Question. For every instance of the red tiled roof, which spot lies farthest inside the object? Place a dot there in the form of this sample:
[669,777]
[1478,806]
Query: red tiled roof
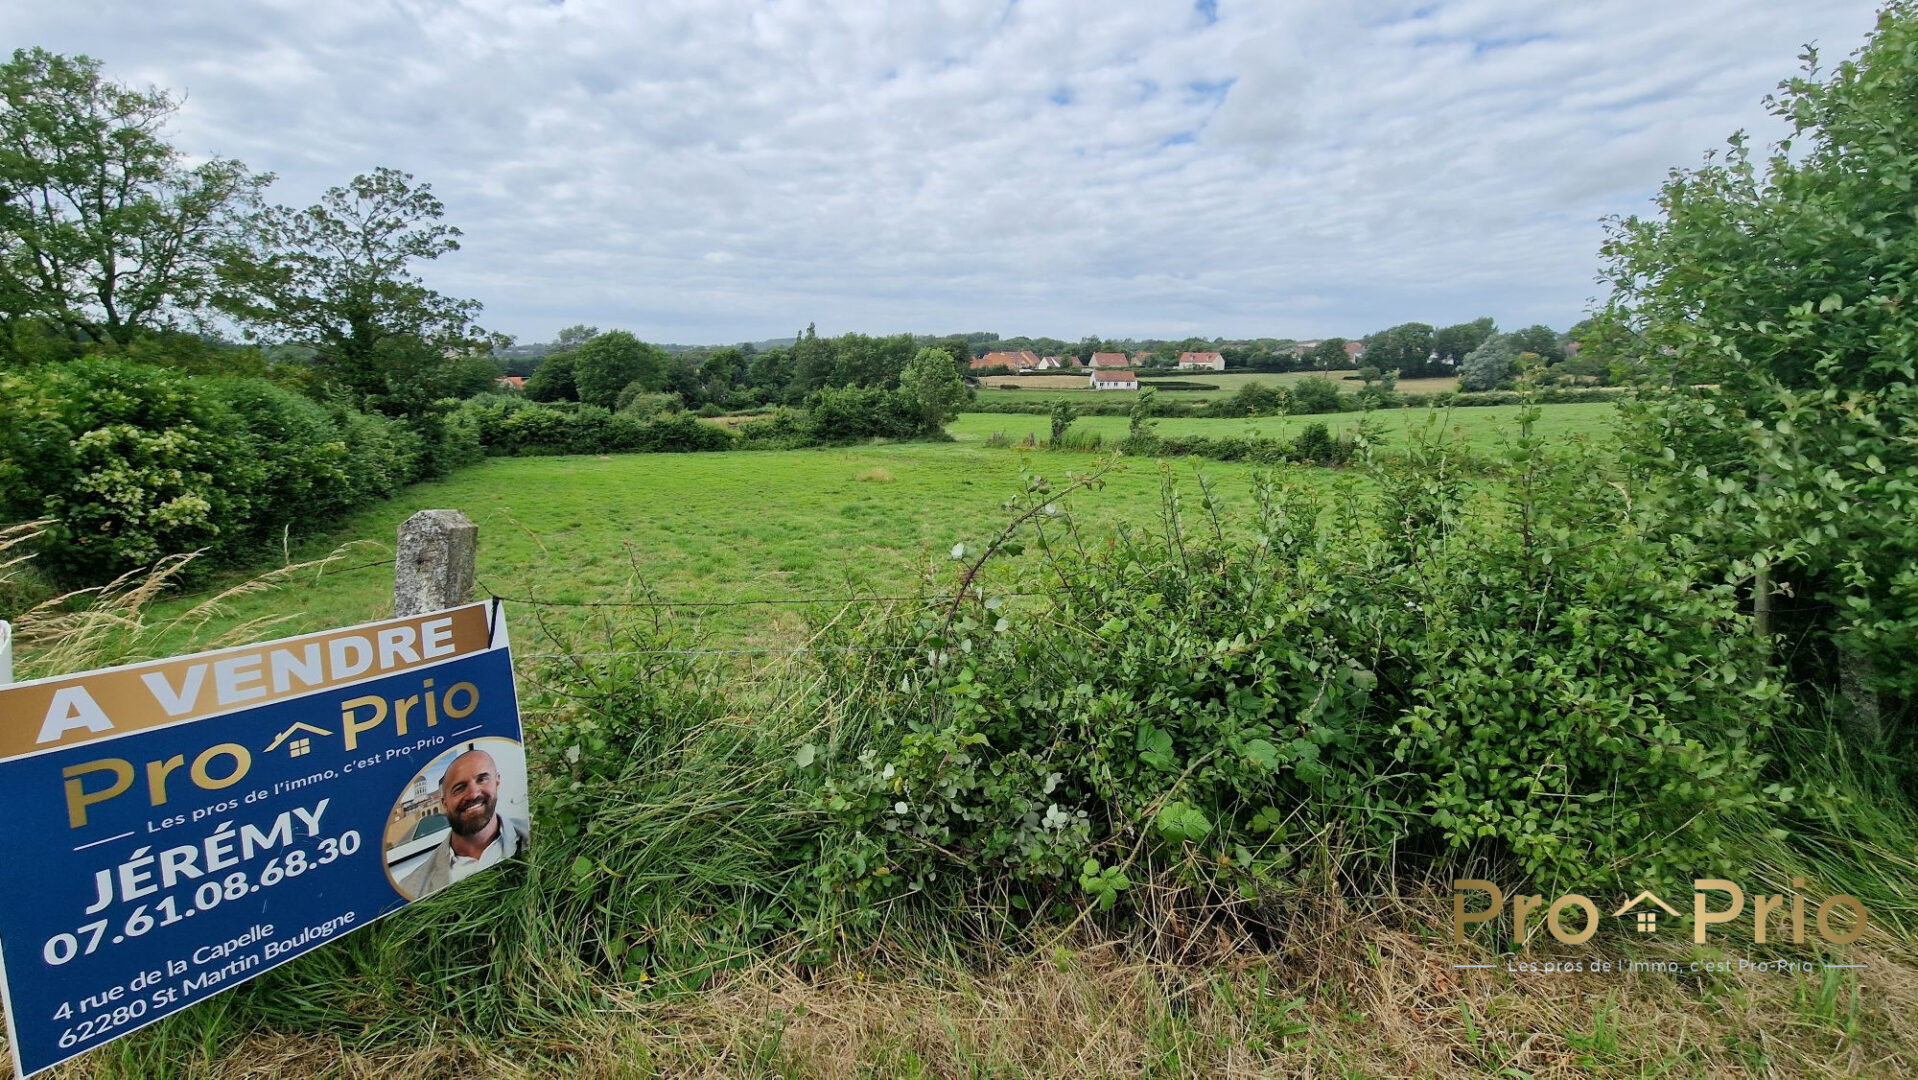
[1017,361]
[1109,360]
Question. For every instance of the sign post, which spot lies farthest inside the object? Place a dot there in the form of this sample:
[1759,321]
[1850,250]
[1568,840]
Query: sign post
[181,826]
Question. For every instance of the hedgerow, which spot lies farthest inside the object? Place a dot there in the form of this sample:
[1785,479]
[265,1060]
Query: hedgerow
[129,462]
[1541,677]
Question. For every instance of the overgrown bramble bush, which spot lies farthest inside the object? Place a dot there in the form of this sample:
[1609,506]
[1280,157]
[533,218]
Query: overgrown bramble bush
[1537,675]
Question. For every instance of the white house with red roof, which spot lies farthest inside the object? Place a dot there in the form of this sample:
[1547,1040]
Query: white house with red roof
[1108,379]
[1201,361]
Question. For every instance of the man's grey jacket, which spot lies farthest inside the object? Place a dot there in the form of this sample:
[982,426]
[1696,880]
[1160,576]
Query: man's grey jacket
[437,872]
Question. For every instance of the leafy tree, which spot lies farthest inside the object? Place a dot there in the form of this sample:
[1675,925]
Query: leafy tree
[338,277]
[554,380]
[1490,366]
[1404,348]
[605,365]
[720,373]
[1784,286]
[105,231]
[1330,355]
[574,336]
[1456,342]
[1541,341]
[933,384]
[771,371]
[863,360]
[812,362]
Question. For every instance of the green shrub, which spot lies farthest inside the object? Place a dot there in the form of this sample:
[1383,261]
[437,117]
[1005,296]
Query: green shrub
[780,431]
[856,414]
[383,455]
[1545,678]
[295,449]
[1313,394]
[130,462]
[134,462]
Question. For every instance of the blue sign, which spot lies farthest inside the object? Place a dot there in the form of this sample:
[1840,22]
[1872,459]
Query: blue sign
[167,841]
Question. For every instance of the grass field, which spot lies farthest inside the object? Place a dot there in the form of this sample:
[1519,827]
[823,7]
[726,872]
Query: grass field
[729,527]
[872,520]
[717,527]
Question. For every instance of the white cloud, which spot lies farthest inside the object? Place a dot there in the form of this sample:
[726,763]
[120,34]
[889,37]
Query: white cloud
[726,171]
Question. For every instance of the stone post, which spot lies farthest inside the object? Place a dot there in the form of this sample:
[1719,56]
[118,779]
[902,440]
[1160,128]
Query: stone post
[434,568]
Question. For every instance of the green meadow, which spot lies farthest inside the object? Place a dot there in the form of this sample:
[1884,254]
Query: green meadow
[867,521]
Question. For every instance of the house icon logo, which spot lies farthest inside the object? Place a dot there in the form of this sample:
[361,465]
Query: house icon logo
[1647,920]
[297,747]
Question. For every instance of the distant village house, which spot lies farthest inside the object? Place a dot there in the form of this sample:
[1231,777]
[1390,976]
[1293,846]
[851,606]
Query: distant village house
[1108,379]
[1201,361]
[1023,360]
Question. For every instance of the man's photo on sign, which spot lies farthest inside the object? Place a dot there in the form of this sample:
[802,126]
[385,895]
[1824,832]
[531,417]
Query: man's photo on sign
[464,812]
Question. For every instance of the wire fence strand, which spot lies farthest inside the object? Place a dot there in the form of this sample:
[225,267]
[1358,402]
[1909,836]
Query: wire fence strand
[929,599]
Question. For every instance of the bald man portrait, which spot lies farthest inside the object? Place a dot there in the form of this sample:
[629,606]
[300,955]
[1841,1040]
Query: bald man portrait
[479,835]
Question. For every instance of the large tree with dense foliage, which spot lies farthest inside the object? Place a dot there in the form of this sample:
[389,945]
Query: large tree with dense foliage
[1330,355]
[1403,348]
[1455,342]
[339,278]
[1490,366]
[608,363]
[1774,295]
[1539,340]
[105,230]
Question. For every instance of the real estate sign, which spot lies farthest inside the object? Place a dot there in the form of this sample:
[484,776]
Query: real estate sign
[175,828]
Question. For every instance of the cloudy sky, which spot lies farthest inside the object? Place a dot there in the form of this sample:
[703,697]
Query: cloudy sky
[718,171]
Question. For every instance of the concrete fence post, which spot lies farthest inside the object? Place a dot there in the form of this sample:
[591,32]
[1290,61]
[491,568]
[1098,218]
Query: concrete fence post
[435,566]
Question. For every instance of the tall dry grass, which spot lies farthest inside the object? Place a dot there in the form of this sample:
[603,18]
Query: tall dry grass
[129,619]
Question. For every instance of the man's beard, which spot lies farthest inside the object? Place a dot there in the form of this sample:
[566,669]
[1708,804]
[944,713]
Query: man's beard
[472,816]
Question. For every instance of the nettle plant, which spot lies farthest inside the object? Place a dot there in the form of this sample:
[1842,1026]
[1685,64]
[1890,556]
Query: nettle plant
[1407,667]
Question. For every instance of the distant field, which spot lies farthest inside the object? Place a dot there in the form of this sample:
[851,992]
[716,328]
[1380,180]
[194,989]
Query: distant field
[1480,427]
[1029,382]
[1047,387]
